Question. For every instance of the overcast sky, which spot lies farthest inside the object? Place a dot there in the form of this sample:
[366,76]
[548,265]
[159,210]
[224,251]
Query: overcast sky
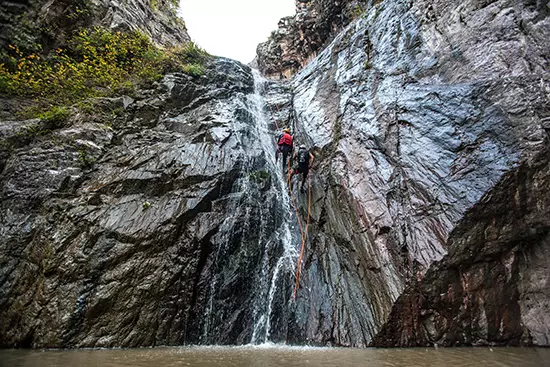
[233,28]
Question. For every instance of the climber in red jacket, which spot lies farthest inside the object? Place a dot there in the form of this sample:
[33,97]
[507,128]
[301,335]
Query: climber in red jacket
[284,145]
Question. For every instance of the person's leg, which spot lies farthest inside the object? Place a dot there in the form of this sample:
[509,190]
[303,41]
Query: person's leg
[284,149]
[303,170]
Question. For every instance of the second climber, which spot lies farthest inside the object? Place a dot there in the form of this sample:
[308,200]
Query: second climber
[304,161]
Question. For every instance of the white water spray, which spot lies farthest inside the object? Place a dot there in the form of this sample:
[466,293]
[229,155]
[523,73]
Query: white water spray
[286,262]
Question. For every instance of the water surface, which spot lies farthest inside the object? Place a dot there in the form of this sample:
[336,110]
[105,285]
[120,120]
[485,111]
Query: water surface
[272,355]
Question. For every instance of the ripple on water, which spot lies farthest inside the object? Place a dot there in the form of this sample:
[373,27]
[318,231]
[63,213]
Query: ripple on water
[271,355]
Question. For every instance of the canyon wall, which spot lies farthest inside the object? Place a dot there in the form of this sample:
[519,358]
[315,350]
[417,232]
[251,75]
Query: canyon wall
[415,111]
[163,218]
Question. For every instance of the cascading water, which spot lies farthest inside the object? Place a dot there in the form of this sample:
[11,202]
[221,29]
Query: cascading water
[251,271]
[239,202]
[285,235]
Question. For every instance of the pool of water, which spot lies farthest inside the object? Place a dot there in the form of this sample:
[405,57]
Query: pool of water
[273,355]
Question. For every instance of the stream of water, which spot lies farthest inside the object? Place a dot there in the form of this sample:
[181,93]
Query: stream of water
[268,234]
[273,355]
[285,263]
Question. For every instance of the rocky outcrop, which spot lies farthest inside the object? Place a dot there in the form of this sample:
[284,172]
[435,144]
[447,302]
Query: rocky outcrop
[492,287]
[40,25]
[156,18]
[416,111]
[299,38]
[138,222]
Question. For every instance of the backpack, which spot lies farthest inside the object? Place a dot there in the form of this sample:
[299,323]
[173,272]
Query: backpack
[303,156]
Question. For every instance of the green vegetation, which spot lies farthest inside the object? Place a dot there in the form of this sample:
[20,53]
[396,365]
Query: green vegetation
[96,63]
[146,205]
[30,31]
[193,69]
[86,160]
[56,116]
[32,131]
[259,176]
[154,5]
[80,11]
[357,12]
[163,4]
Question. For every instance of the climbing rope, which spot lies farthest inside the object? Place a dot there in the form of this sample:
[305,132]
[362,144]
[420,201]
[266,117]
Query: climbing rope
[293,202]
[302,231]
[304,237]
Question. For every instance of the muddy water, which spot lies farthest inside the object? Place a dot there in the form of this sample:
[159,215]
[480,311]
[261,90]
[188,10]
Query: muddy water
[267,356]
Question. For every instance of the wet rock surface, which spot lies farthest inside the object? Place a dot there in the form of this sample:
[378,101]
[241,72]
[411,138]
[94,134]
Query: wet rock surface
[141,226]
[163,218]
[415,111]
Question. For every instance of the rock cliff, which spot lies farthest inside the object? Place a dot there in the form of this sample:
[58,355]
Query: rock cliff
[34,25]
[492,287]
[299,38]
[142,222]
[164,219]
[420,112]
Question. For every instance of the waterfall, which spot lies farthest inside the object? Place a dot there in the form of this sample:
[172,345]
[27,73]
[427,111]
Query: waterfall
[285,235]
[240,202]
[256,247]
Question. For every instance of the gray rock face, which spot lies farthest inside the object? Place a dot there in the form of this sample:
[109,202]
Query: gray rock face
[160,22]
[416,110]
[36,25]
[492,287]
[299,38]
[151,226]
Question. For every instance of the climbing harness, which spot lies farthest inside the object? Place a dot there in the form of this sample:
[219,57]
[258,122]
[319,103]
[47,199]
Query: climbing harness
[302,231]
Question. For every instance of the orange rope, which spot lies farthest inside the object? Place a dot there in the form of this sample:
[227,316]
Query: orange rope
[294,203]
[304,236]
[303,233]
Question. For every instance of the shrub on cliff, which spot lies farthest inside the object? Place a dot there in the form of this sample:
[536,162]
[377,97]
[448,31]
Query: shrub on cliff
[95,62]
[188,58]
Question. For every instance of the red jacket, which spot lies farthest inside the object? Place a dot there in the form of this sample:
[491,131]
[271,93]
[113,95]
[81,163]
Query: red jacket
[286,139]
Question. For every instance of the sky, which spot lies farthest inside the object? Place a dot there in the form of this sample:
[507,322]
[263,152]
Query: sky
[233,28]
